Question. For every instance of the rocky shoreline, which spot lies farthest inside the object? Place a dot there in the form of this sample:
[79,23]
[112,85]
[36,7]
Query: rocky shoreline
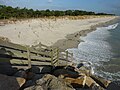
[71,77]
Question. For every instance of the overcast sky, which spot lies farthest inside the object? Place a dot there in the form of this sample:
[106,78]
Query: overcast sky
[109,6]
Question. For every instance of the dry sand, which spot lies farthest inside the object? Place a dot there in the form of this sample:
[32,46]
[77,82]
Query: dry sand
[47,31]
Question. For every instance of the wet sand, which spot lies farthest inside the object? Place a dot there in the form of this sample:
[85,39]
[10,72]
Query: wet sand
[72,40]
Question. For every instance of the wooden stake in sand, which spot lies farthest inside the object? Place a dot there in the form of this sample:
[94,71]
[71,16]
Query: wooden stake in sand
[28,55]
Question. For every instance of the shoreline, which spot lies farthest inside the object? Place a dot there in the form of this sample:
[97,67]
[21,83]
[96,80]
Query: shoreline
[73,40]
[62,33]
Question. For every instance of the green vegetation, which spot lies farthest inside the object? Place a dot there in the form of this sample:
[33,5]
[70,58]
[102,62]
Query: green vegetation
[7,12]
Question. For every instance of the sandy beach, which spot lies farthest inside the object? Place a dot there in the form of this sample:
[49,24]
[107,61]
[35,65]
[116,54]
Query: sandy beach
[51,31]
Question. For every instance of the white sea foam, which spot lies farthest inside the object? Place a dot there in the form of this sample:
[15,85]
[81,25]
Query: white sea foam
[112,26]
[108,75]
[95,47]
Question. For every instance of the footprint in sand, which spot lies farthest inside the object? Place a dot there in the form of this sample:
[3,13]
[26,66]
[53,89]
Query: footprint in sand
[35,33]
[19,34]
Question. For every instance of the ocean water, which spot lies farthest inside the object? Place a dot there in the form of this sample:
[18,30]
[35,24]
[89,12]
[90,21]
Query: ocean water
[101,48]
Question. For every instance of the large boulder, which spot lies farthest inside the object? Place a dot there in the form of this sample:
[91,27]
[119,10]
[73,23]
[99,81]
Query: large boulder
[89,82]
[11,83]
[32,81]
[95,87]
[46,69]
[76,82]
[41,69]
[7,69]
[84,70]
[66,72]
[21,73]
[86,67]
[33,69]
[30,75]
[20,81]
[101,81]
[34,88]
[29,83]
[51,82]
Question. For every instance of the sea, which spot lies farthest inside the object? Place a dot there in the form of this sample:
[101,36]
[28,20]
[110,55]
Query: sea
[101,49]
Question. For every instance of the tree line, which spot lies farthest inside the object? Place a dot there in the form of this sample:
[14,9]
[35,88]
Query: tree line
[7,12]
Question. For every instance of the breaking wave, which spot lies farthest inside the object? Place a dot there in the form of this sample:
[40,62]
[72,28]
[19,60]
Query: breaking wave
[95,47]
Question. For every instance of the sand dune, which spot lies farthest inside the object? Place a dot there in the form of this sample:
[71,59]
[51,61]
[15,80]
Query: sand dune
[46,31]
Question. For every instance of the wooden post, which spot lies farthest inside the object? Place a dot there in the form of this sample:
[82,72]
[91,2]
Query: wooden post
[72,57]
[52,57]
[40,45]
[57,56]
[66,57]
[28,55]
